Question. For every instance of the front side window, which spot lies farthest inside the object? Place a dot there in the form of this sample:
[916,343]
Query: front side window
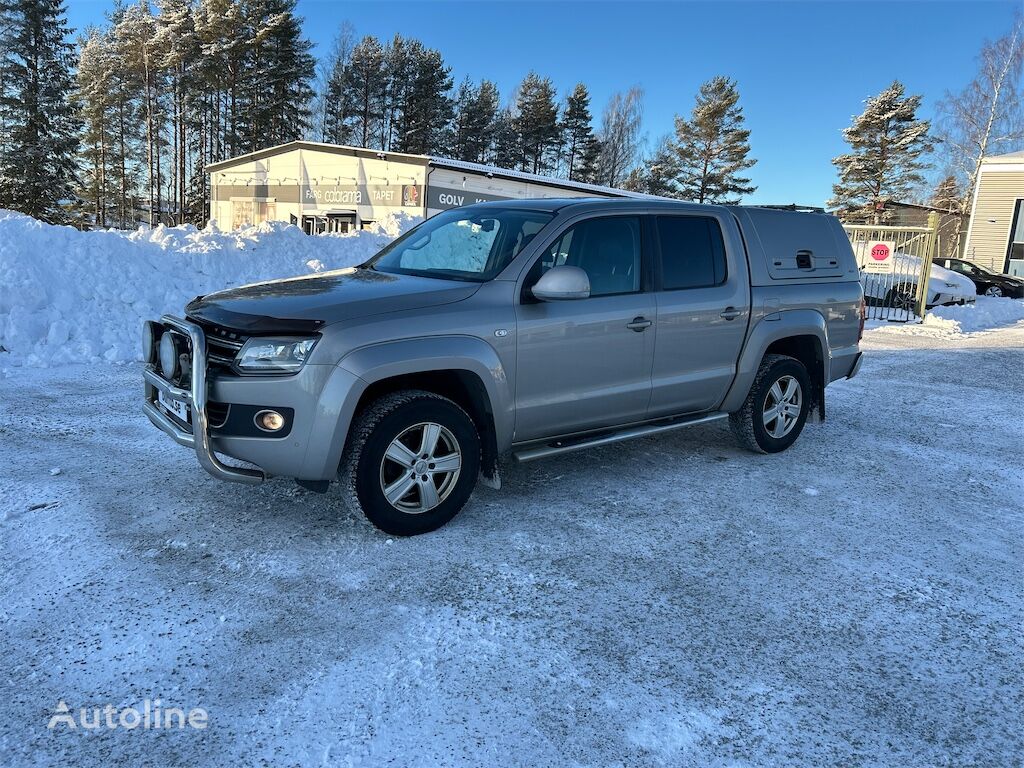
[462,244]
[607,249]
[692,252]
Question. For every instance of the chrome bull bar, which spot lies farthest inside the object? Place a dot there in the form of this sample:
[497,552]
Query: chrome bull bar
[199,438]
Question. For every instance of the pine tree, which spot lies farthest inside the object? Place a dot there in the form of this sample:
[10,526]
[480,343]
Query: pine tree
[713,147]
[329,104]
[39,143]
[135,33]
[947,195]
[579,144]
[427,109]
[537,123]
[95,77]
[506,150]
[365,91]
[887,143]
[463,103]
[279,73]
[659,174]
[178,44]
[399,64]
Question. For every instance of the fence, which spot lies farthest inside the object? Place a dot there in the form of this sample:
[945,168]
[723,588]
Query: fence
[895,264]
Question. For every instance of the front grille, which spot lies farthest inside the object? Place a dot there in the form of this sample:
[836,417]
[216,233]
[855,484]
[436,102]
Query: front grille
[222,345]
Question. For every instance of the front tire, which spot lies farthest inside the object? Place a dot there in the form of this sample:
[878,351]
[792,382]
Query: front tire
[775,411]
[994,290]
[411,462]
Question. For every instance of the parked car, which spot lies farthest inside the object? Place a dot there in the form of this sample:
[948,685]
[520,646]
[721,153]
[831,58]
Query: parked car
[898,290]
[986,282]
[526,328]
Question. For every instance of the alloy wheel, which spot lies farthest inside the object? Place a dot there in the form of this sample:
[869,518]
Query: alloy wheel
[782,407]
[420,468]
[993,290]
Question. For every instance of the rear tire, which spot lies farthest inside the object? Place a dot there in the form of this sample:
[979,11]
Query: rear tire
[775,411]
[411,462]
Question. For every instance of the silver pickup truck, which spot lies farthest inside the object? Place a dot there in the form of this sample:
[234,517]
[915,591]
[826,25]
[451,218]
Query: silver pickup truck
[523,328]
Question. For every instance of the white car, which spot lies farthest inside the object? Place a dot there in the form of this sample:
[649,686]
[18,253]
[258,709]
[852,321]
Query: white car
[899,288]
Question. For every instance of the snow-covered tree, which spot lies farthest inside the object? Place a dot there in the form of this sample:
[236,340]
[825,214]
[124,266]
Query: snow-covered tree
[39,139]
[887,145]
[947,195]
[712,147]
[95,74]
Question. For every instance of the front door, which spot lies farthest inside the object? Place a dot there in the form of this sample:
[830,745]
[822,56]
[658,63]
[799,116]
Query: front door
[586,363]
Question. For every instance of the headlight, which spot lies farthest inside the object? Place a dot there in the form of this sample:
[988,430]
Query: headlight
[169,356]
[150,333]
[265,355]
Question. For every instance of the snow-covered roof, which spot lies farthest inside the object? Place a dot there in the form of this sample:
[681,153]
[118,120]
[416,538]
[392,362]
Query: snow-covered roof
[506,173]
[1010,157]
[436,162]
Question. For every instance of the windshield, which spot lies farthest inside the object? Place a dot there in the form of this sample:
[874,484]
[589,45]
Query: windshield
[462,244]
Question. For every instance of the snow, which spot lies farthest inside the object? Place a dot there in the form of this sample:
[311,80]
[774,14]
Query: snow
[958,320]
[69,296]
[667,601]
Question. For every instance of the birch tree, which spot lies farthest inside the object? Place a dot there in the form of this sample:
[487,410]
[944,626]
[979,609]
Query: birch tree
[985,118]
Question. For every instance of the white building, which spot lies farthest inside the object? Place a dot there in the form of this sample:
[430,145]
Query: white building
[332,188]
[995,238]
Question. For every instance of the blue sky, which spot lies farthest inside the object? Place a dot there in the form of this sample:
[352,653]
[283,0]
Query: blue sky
[804,68]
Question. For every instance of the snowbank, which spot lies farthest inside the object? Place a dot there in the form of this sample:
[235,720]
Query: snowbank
[986,314]
[71,296]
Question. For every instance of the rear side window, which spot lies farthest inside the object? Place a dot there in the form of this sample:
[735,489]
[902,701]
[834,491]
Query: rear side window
[692,252]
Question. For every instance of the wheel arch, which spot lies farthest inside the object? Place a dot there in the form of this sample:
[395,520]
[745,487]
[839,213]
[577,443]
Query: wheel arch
[800,333]
[464,369]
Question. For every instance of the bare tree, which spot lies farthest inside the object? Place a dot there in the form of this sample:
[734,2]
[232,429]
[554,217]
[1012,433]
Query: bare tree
[984,118]
[620,136]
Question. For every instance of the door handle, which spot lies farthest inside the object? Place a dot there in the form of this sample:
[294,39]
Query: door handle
[639,324]
[731,313]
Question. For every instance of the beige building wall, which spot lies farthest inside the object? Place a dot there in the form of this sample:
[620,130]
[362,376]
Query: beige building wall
[997,198]
[321,190]
[329,188]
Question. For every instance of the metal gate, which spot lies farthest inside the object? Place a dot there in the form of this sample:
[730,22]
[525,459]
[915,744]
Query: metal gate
[895,264]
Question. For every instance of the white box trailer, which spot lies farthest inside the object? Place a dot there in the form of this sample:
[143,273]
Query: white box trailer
[335,188]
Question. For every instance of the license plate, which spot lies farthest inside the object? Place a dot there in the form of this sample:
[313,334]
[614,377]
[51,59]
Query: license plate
[177,407]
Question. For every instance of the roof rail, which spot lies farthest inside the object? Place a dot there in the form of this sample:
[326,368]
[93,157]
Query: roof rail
[793,207]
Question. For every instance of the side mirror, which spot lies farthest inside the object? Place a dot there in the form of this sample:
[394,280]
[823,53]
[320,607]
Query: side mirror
[562,283]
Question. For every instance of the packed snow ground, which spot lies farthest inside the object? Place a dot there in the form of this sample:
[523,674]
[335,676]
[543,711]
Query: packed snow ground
[71,296]
[856,600]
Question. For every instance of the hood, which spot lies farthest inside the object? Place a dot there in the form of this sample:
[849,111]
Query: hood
[303,304]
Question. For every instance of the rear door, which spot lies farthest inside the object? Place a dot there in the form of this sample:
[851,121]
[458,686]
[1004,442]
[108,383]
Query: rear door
[703,309]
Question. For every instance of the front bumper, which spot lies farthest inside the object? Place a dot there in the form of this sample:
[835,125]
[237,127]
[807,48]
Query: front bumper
[196,398]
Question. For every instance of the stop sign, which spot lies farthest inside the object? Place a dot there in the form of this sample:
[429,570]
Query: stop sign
[880,252]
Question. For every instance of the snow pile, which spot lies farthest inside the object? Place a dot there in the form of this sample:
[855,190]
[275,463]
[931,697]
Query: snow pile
[71,296]
[986,314]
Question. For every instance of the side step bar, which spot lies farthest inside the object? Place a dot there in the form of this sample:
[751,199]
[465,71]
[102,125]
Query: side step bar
[569,445]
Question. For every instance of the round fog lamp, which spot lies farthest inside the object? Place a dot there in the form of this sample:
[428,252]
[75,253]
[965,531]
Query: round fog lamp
[149,336]
[169,356]
[269,421]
